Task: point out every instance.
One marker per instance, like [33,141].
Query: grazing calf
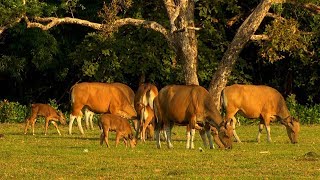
[261,102]
[121,126]
[46,111]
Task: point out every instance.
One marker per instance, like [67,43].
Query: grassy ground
[65,157]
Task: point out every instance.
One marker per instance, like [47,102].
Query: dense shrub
[305,113]
[12,111]
[15,112]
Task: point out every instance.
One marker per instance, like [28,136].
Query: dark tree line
[46,47]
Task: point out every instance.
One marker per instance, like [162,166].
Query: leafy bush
[12,111]
[306,114]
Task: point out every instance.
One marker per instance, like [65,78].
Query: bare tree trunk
[244,33]
[186,43]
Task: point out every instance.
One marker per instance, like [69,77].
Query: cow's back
[115,123]
[178,103]
[145,95]
[101,98]
[254,100]
[42,109]
[128,92]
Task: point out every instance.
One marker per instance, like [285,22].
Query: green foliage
[10,10]
[124,58]
[306,114]
[12,65]
[12,112]
[285,39]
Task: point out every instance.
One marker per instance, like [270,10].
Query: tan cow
[261,102]
[143,103]
[129,95]
[121,126]
[99,98]
[189,105]
[48,112]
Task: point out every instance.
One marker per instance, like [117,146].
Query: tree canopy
[47,46]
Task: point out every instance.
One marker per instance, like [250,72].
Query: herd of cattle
[156,112]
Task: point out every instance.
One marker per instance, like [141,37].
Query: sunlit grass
[64,157]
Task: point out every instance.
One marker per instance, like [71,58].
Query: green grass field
[64,157]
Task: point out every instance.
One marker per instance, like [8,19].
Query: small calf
[46,111]
[121,126]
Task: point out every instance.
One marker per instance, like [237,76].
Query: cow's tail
[223,101]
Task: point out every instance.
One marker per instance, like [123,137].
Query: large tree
[180,32]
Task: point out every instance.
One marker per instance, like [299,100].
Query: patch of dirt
[310,156]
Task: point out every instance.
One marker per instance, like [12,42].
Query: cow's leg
[231,112]
[56,125]
[168,133]
[26,126]
[192,133]
[157,136]
[32,124]
[88,118]
[33,120]
[72,117]
[79,124]
[125,142]
[234,129]
[91,121]
[101,138]
[267,119]
[106,137]
[203,137]
[46,126]
[118,135]
[209,136]
[150,132]
[261,126]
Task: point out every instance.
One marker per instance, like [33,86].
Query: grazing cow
[261,102]
[99,98]
[189,105]
[121,126]
[143,103]
[46,111]
[129,95]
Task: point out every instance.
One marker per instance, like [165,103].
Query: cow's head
[132,141]
[62,118]
[293,128]
[226,133]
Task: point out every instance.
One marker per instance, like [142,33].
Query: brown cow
[143,103]
[99,98]
[129,95]
[189,105]
[121,126]
[261,102]
[46,111]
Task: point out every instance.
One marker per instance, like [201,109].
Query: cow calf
[111,122]
[46,111]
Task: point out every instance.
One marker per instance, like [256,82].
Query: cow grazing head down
[132,141]
[226,133]
[62,118]
[293,128]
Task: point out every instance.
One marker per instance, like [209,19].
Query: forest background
[41,60]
